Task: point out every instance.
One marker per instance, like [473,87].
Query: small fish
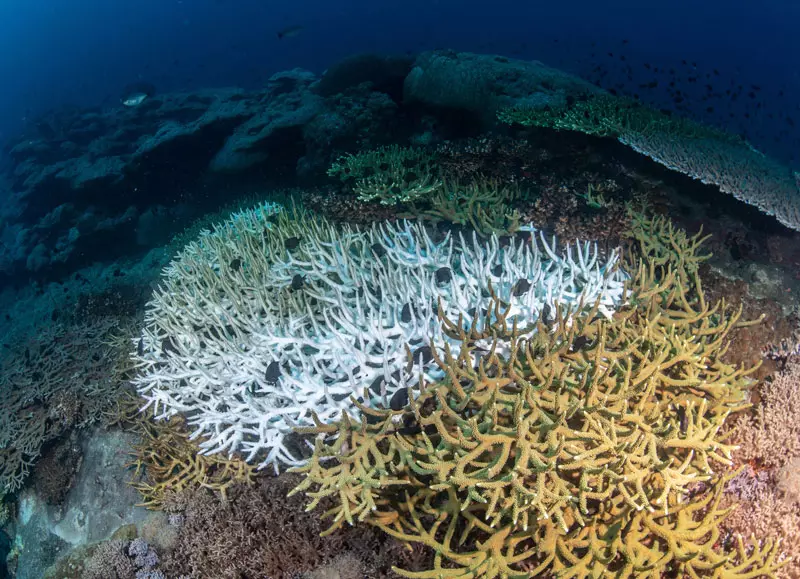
[443,275]
[580,343]
[168,345]
[292,243]
[425,353]
[497,270]
[140,347]
[521,287]
[290,32]
[235,263]
[378,250]
[377,384]
[297,282]
[134,100]
[405,314]
[399,399]
[273,372]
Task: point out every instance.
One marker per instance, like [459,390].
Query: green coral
[604,115]
[590,449]
[389,175]
[484,204]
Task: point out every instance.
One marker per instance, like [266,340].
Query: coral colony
[277,316]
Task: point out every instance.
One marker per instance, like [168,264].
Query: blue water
[55,52]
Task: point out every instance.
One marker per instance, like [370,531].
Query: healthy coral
[482,204]
[590,447]
[389,175]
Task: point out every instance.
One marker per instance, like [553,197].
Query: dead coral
[55,472]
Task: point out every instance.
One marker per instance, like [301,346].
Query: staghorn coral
[63,378]
[389,175]
[279,313]
[665,246]
[592,447]
[482,204]
[168,461]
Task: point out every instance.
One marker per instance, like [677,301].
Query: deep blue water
[83,52]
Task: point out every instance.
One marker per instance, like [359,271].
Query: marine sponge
[278,314]
[589,448]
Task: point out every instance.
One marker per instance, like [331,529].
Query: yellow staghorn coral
[591,448]
[167,460]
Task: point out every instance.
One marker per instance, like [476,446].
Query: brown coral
[257,532]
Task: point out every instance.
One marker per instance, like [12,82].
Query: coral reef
[766,490]
[701,152]
[592,446]
[483,205]
[278,313]
[167,461]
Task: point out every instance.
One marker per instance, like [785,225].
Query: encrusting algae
[591,448]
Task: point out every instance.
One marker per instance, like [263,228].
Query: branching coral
[482,204]
[389,175]
[278,314]
[63,378]
[167,461]
[588,448]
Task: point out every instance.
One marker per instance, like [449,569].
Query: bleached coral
[277,314]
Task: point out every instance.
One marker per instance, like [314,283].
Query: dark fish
[580,343]
[377,383]
[236,263]
[273,372]
[425,353]
[521,287]
[168,345]
[140,347]
[378,249]
[410,426]
[443,275]
[292,243]
[405,313]
[297,282]
[497,270]
[399,399]
[289,32]
[683,418]
[547,315]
